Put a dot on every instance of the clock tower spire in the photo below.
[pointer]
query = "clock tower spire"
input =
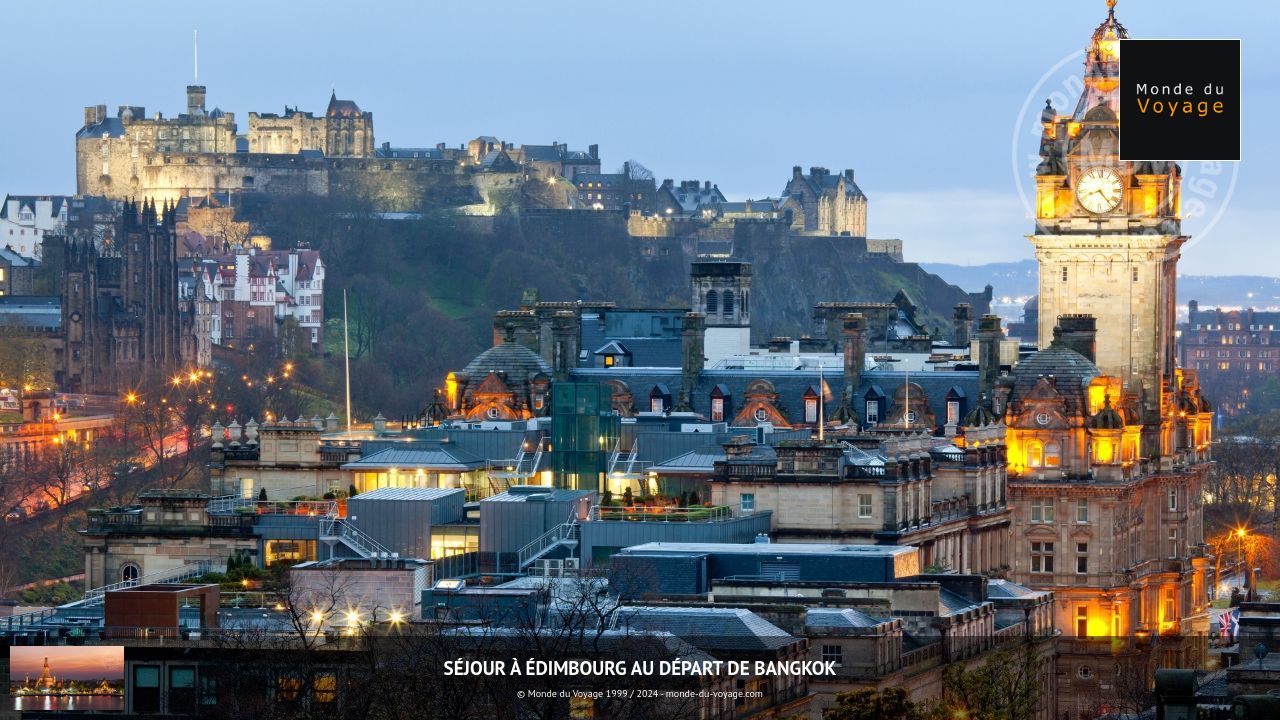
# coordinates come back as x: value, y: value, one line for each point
x: 1108, y: 233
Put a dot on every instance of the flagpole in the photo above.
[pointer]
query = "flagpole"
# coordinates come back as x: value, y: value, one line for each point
x: 346, y: 355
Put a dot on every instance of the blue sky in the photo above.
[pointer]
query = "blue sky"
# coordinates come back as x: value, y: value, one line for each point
x: 920, y: 98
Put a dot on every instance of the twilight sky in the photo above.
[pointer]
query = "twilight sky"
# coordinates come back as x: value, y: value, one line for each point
x: 89, y: 662
x: 920, y: 98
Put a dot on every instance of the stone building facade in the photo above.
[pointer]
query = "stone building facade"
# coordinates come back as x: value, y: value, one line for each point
x: 825, y: 204
x: 1108, y: 441
x: 1232, y: 351
x: 121, y: 312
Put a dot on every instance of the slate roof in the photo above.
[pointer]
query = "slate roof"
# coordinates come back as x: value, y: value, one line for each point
x: 31, y: 311
x: 1003, y: 589
x: 541, y: 153
x: 839, y: 617
x: 112, y: 126
x: 396, y: 152
x: 13, y: 259
x: 708, y: 629
x: 1071, y: 372
x: 789, y: 384
x: 702, y: 460
x: 29, y: 201
x: 514, y: 363
x: 426, y: 455
x: 341, y: 108
x: 953, y: 603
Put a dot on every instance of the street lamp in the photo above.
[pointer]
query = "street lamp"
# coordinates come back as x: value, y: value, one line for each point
x: 1240, y: 556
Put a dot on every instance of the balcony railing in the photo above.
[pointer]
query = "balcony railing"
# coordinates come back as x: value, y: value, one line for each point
x: 664, y: 513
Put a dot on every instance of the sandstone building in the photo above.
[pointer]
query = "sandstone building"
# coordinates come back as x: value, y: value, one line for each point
x: 122, y: 314
x: 1108, y: 440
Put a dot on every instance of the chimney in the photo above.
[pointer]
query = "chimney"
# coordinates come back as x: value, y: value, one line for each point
x: 854, y: 330
x: 817, y: 172
x: 101, y: 111
x: 626, y: 169
x: 379, y: 424
x: 848, y: 175
x: 796, y: 172
x: 707, y: 186
x: 960, y: 322
x: 565, y: 325
x: 594, y: 151
x: 693, y: 357
x: 90, y: 116
x: 989, y: 336
x: 1192, y: 307
x: 1079, y: 333
x: 780, y: 344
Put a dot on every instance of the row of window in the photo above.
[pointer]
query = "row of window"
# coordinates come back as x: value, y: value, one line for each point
x: 1227, y: 353
x: 1263, y: 366
x: 1134, y: 274
x: 1042, y: 509
x: 865, y: 504
x: 1042, y: 557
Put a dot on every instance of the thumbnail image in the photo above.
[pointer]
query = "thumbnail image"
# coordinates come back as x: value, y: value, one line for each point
x: 67, y: 679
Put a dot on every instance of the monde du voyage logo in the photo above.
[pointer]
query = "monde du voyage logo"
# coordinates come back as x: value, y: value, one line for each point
x: 1180, y: 100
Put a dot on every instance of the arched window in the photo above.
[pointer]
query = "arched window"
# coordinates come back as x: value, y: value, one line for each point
x: 1052, y: 455
x: 712, y: 301
x: 1035, y: 454
x: 129, y: 572
x: 728, y: 302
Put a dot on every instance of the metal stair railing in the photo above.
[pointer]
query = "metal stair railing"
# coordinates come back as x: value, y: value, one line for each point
x: 565, y: 531
x: 178, y: 574
x: 229, y: 503
x: 364, y: 545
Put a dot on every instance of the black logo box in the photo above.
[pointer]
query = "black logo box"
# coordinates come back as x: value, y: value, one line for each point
x: 1186, y: 68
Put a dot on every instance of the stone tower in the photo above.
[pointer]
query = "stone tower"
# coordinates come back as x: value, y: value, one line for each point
x: 1108, y: 232
x: 722, y: 293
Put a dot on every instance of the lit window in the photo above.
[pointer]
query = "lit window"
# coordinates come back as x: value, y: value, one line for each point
x: 1052, y: 455
x: 953, y: 412
x: 1082, y: 621
x: 1035, y: 454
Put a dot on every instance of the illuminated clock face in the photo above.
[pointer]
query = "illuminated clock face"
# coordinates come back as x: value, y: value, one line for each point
x: 1099, y: 190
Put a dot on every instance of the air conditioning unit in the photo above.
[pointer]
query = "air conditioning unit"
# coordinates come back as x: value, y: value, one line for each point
x: 549, y: 568
x: 571, y: 563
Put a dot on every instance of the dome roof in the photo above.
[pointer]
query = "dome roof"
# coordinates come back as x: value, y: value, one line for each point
x: 515, y: 363
x: 1071, y: 373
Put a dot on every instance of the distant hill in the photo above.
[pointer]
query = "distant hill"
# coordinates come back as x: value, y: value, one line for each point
x: 1019, y: 279
x: 423, y: 290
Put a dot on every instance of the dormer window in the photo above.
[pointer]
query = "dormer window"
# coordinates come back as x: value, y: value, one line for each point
x: 873, y: 412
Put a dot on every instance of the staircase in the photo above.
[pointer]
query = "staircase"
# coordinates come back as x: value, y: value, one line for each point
x: 524, y: 466
x: 565, y: 535
x: 334, y: 530
x: 94, y: 596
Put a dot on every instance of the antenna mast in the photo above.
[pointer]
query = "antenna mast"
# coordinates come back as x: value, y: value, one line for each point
x: 196, y: 55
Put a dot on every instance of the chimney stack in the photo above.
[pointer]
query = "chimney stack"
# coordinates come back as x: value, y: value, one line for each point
x: 564, y: 338
x: 693, y: 357
x: 1079, y: 333
x: 989, y: 336
x: 854, y: 330
x: 960, y: 322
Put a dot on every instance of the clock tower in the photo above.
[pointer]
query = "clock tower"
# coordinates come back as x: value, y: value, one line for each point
x: 1108, y: 233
